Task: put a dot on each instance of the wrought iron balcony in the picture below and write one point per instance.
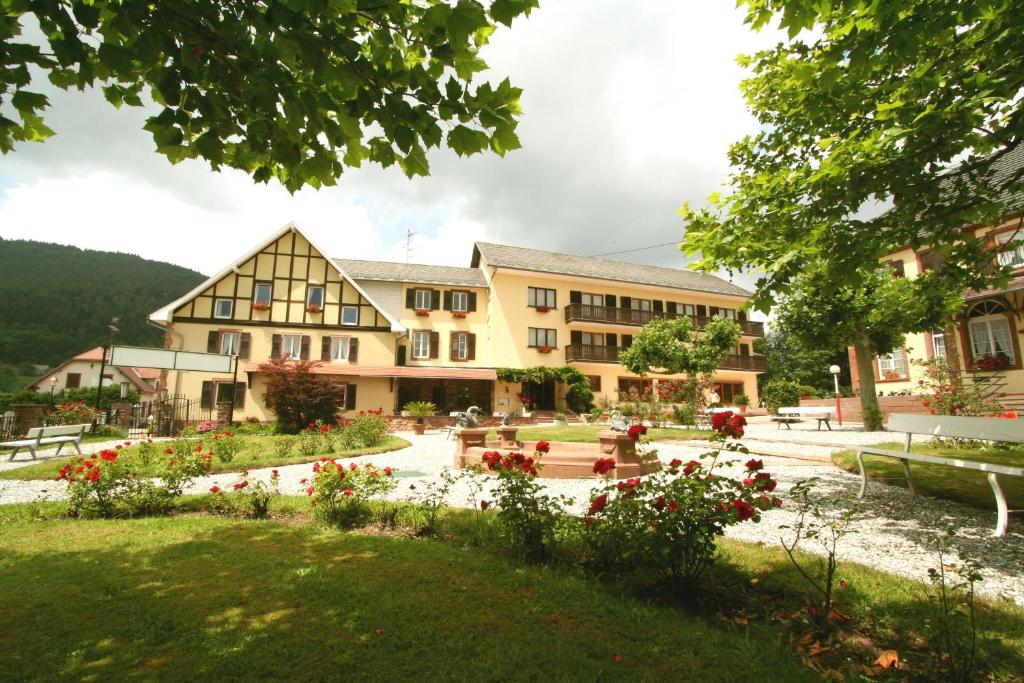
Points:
(631, 316)
(595, 353)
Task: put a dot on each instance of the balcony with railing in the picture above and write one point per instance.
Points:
(596, 353)
(637, 318)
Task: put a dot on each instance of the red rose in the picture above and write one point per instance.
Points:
(214, 489)
(598, 504)
(492, 458)
(676, 462)
(353, 466)
(673, 506)
(754, 465)
(388, 471)
(348, 492)
(636, 431)
(589, 521)
(542, 447)
(169, 451)
(484, 504)
(309, 491)
(659, 504)
(744, 510)
(690, 467)
(604, 465)
(273, 474)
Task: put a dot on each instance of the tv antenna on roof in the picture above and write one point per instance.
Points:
(408, 244)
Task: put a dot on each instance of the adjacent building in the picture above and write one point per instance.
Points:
(83, 371)
(983, 341)
(396, 332)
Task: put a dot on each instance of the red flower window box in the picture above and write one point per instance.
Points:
(543, 309)
(315, 309)
(260, 306)
(459, 314)
(422, 312)
(544, 349)
(997, 362)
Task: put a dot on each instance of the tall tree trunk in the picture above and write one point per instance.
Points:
(864, 350)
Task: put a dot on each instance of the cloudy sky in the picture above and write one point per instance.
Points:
(628, 111)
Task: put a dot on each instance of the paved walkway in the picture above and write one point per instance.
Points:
(892, 535)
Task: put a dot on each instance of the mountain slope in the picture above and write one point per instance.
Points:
(56, 300)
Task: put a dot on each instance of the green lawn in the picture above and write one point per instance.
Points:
(952, 483)
(259, 452)
(588, 433)
(213, 598)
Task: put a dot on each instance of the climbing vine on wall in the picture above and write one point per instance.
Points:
(579, 396)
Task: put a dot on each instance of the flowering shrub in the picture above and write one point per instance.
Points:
(283, 446)
(340, 493)
(667, 522)
(367, 429)
(256, 496)
(145, 454)
(529, 518)
(311, 442)
(206, 427)
(77, 412)
(944, 393)
(636, 431)
(728, 424)
(225, 445)
(109, 485)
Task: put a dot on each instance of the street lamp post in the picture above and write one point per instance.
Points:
(835, 370)
(53, 385)
(103, 361)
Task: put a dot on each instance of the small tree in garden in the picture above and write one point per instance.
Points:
(869, 311)
(671, 347)
(944, 393)
(299, 397)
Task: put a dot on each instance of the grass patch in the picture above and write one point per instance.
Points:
(257, 453)
(938, 481)
(196, 596)
(588, 433)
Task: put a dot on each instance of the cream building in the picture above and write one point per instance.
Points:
(395, 332)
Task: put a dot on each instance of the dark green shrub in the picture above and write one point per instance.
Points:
(781, 394)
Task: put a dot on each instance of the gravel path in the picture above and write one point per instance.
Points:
(891, 535)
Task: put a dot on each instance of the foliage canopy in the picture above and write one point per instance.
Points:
(295, 90)
(669, 346)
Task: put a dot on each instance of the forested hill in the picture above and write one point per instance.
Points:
(56, 300)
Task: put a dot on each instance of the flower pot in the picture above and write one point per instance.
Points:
(422, 312)
(419, 428)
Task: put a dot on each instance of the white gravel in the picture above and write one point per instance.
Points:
(891, 535)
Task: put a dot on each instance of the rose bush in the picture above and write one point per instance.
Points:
(75, 412)
(340, 492)
(530, 519)
(108, 484)
(667, 522)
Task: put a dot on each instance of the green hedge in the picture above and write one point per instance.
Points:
(781, 394)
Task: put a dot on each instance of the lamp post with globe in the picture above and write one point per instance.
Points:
(835, 370)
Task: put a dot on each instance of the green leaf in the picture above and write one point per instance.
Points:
(465, 141)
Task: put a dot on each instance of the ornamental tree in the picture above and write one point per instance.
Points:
(670, 347)
(298, 396)
(870, 314)
(296, 90)
(862, 114)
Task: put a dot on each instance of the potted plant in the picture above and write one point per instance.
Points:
(543, 309)
(419, 410)
(261, 306)
(742, 401)
(422, 312)
(315, 308)
(524, 398)
(458, 314)
(545, 349)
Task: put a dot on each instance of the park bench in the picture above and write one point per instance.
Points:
(44, 436)
(949, 426)
(788, 416)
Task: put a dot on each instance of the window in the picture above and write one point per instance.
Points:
(990, 332)
(460, 346)
(536, 296)
(896, 267)
(728, 391)
(727, 313)
(640, 304)
(315, 296)
(595, 382)
(225, 392)
(223, 308)
(592, 299)
(892, 365)
(460, 301)
(339, 348)
(73, 380)
(592, 338)
(1011, 249)
(349, 315)
(423, 299)
(421, 344)
(262, 294)
(542, 337)
(291, 346)
(685, 309)
(641, 386)
(939, 345)
(229, 343)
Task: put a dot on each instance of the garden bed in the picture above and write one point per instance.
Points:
(588, 433)
(258, 451)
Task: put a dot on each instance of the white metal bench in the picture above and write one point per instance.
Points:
(44, 436)
(980, 428)
(788, 416)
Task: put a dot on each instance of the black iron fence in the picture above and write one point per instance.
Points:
(166, 417)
